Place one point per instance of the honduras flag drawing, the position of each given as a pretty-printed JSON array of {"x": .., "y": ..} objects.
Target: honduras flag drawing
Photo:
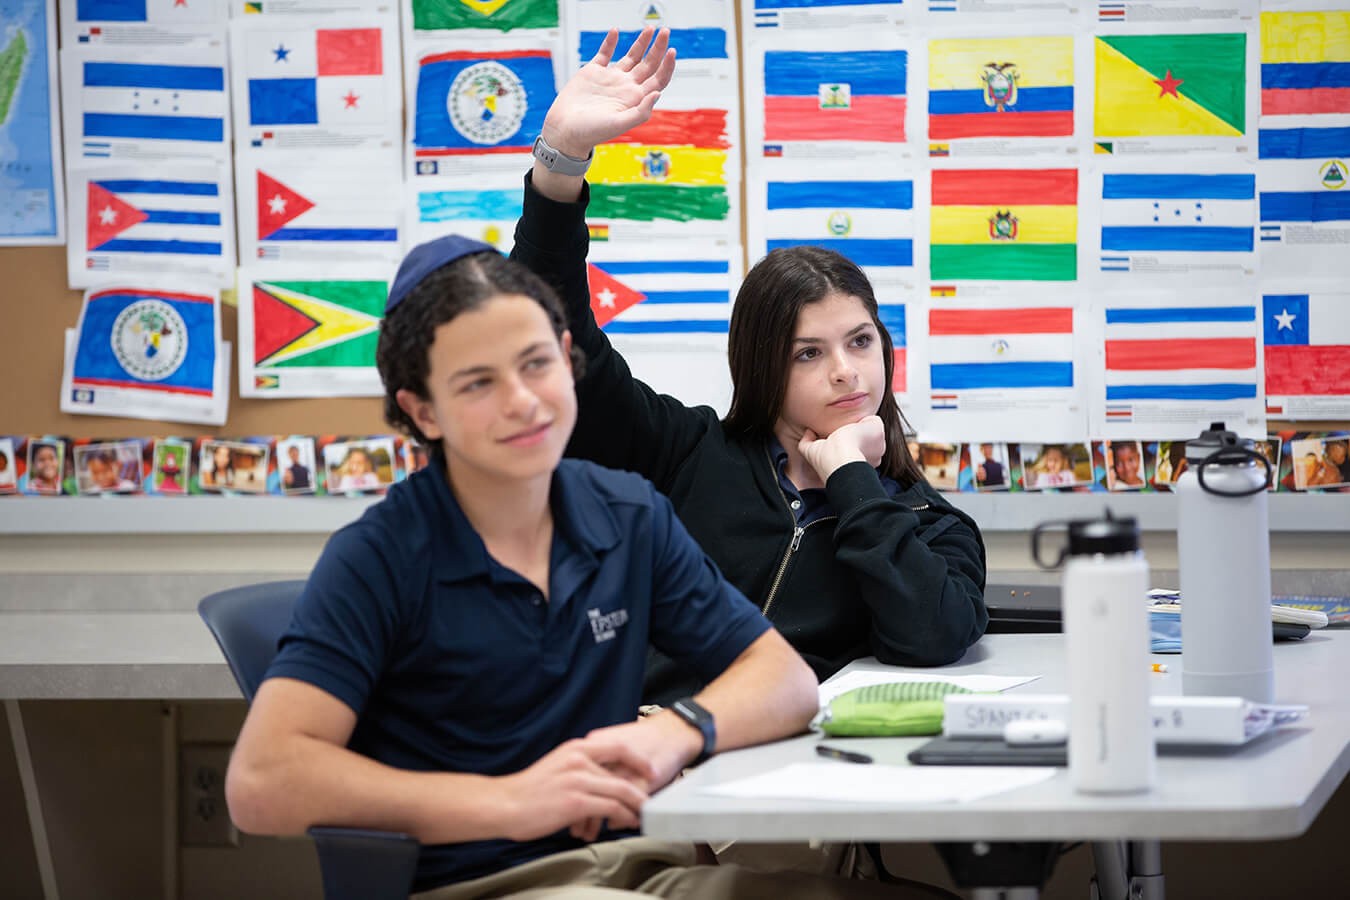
[
  {"x": 474, "y": 103},
  {"x": 147, "y": 339}
]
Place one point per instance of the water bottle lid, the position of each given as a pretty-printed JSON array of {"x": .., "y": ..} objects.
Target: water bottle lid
[
  {"x": 1109, "y": 535},
  {"x": 1213, "y": 440}
]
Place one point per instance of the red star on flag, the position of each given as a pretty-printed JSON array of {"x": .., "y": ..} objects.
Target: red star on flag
[
  {"x": 277, "y": 205},
  {"x": 609, "y": 296},
  {"x": 108, "y": 216},
  {"x": 350, "y": 100},
  {"x": 178, "y": 3},
  {"x": 1168, "y": 85}
]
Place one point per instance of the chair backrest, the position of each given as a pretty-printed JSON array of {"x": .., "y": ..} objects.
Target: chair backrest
[{"x": 246, "y": 622}]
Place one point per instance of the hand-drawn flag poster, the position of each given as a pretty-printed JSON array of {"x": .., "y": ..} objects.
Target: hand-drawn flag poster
[
  {"x": 853, "y": 96},
  {"x": 812, "y": 15},
  {"x": 672, "y": 292},
  {"x": 340, "y": 208},
  {"x": 992, "y": 368},
  {"x": 497, "y": 15},
  {"x": 309, "y": 336},
  {"x": 143, "y": 103},
  {"x": 482, "y": 105},
  {"x": 1175, "y": 224},
  {"x": 146, "y": 220},
  {"x": 298, "y": 86},
  {"x": 31, "y": 207},
  {"x": 487, "y": 209},
  {"x": 1000, "y": 88},
  {"x": 1307, "y": 354},
  {"x": 1305, "y": 64},
  {"x": 1305, "y": 201},
  {"x": 157, "y": 22},
  {"x": 1173, "y": 364},
  {"x": 893, "y": 317},
  {"x": 1188, "y": 89},
  {"x": 1005, "y": 225},
  {"x": 148, "y": 353}
]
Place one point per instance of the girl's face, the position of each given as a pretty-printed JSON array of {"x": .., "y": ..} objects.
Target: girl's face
[
  {"x": 836, "y": 375},
  {"x": 359, "y": 463},
  {"x": 221, "y": 456},
  {"x": 1054, "y": 461}
]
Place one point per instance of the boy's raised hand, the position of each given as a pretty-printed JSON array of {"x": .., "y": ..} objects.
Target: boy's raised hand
[{"x": 602, "y": 101}]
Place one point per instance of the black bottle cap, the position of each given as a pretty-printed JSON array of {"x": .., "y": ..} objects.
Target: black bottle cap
[
  {"x": 1109, "y": 535},
  {"x": 1213, "y": 440}
]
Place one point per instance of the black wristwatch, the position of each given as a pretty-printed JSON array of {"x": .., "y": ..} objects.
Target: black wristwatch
[{"x": 701, "y": 719}]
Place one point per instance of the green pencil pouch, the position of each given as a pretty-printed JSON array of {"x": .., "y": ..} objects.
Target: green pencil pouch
[{"x": 884, "y": 710}]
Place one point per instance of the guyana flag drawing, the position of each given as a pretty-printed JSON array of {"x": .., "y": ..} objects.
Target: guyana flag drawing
[
  {"x": 1162, "y": 85},
  {"x": 1005, "y": 225},
  {"x": 500, "y": 15},
  {"x": 309, "y": 338}
]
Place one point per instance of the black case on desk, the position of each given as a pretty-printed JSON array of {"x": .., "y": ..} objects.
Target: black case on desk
[{"x": 968, "y": 751}]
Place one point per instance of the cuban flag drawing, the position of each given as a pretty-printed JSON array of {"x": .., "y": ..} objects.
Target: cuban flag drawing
[
  {"x": 149, "y": 353},
  {"x": 344, "y": 210},
  {"x": 1307, "y": 354},
  {"x": 126, "y": 219},
  {"x": 470, "y": 103},
  {"x": 649, "y": 291},
  {"x": 145, "y": 103},
  {"x": 1160, "y": 223}
]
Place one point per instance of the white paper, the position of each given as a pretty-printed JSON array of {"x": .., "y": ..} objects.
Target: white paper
[
  {"x": 152, "y": 23},
  {"x": 983, "y": 683},
  {"x": 139, "y": 404},
  {"x": 1305, "y": 324},
  {"x": 852, "y": 783}
]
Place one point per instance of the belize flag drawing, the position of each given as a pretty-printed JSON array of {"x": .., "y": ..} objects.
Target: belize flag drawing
[
  {"x": 472, "y": 103},
  {"x": 126, "y": 220}
]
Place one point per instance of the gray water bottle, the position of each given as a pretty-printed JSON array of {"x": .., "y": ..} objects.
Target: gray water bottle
[{"x": 1223, "y": 550}]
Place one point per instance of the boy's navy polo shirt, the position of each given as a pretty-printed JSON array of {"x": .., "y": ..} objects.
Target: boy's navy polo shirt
[{"x": 454, "y": 663}]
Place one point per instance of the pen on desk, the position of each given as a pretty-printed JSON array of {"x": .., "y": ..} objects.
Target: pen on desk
[
  {"x": 842, "y": 755},
  {"x": 1160, "y": 667}
]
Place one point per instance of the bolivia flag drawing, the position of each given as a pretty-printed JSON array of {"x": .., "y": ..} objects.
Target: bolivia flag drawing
[
  {"x": 316, "y": 324},
  {"x": 150, "y": 340},
  {"x": 673, "y": 167},
  {"x": 1305, "y": 63},
  {"x": 1171, "y": 84},
  {"x": 870, "y": 222},
  {"x": 660, "y": 296},
  {"x": 1011, "y": 224},
  {"x": 1160, "y": 213},
  {"x": 1180, "y": 352},
  {"x": 322, "y": 76},
  {"x": 1000, "y": 348},
  {"x": 473, "y": 103},
  {"x": 502, "y": 15},
  {"x": 1001, "y": 87},
  {"x": 840, "y": 96},
  {"x": 1307, "y": 344}
]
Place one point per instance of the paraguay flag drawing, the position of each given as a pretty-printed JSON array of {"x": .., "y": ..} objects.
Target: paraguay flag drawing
[
  {"x": 673, "y": 167},
  {"x": 150, "y": 340},
  {"x": 311, "y": 212},
  {"x": 999, "y": 349},
  {"x": 1010, "y": 224},
  {"x": 1307, "y": 344},
  {"x": 1305, "y": 63},
  {"x": 473, "y": 103},
  {"x": 1171, "y": 84},
  {"x": 835, "y": 96},
  {"x": 661, "y": 295},
  {"x": 314, "y": 76},
  {"x": 501, "y": 15},
  {"x": 1000, "y": 87},
  {"x": 1172, "y": 216},
  {"x": 1180, "y": 352},
  {"x": 870, "y": 222}
]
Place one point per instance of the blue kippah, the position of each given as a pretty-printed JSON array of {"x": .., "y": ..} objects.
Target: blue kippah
[{"x": 426, "y": 258}]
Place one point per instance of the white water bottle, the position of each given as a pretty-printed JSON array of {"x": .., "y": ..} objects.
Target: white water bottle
[
  {"x": 1106, "y": 635},
  {"x": 1223, "y": 551}
]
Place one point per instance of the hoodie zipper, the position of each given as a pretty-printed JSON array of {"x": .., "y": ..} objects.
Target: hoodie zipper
[{"x": 797, "y": 532}]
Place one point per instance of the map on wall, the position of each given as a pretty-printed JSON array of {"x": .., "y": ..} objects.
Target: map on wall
[{"x": 30, "y": 160}]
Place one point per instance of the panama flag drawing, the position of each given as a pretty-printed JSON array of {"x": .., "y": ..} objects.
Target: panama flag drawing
[
  {"x": 1155, "y": 85},
  {"x": 501, "y": 15},
  {"x": 665, "y": 294},
  {"x": 314, "y": 76},
  {"x": 1307, "y": 346},
  {"x": 471, "y": 103},
  {"x": 835, "y": 96},
  {"x": 334, "y": 212}
]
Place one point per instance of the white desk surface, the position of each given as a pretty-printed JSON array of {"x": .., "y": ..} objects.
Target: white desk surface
[{"x": 1271, "y": 788}]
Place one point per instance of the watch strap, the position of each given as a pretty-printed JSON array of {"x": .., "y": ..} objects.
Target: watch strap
[
  {"x": 698, "y": 717},
  {"x": 556, "y": 161}
]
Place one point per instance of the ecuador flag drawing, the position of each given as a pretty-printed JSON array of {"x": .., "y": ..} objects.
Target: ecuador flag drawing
[
  {"x": 1305, "y": 63},
  {"x": 1011, "y": 224},
  {"x": 1171, "y": 84},
  {"x": 673, "y": 168},
  {"x": 1003, "y": 87},
  {"x": 502, "y": 15}
]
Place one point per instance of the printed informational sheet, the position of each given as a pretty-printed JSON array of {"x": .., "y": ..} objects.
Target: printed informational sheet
[
  {"x": 149, "y": 353},
  {"x": 141, "y": 103},
  {"x": 1148, "y": 12},
  {"x": 147, "y": 22},
  {"x": 304, "y": 86},
  {"x": 129, "y": 219},
  {"x": 813, "y": 15},
  {"x": 1306, "y": 333},
  {"x": 310, "y": 330},
  {"x": 310, "y": 7},
  {"x": 988, "y": 367},
  {"x": 32, "y": 209},
  {"x": 336, "y": 207},
  {"x": 485, "y": 207},
  {"x": 1170, "y": 363}
]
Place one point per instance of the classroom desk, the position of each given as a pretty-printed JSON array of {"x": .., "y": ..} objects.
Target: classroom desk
[{"x": 1274, "y": 787}]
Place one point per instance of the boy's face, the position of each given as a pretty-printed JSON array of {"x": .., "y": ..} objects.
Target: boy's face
[
  {"x": 102, "y": 473},
  {"x": 44, "y": 463},
  {"x": 501, "y": 396}
]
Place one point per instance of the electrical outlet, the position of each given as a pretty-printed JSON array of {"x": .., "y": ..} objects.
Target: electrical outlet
[{"x": 203, "y": 819}]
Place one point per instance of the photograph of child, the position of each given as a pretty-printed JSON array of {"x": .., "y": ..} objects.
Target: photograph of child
[
  {"x": 414, "y": 456},
  {"x": 940, "y": 463},
  {"x": 107, "y": 468},
  {"x": 1171, "y": 463},
  {"x": 9, "y": 474},
  {"x": 170, "y": 471},
  {"x": 295, "y": 459},
  {"x": 46, "y": 465},
  {"x": 1317, "y": 463},
  {"x": 355, "y": 466},
  {"x": 232, "y": 466},
  {"x": 1270, "y": 449},
  {"x": 1055, "y": 465},
  {"x": 990, "y": 462},
  {"x": 1124, "y": 466}
]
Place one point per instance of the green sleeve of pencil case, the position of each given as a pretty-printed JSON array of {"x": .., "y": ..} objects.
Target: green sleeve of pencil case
[{"x": 887, "y": 710}]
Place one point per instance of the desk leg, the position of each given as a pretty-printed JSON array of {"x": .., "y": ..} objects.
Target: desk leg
[
  {"x": 36, "y": 823},
  {"x": 1146, "y": 877},
  {"x": 1130, "y": 870}
]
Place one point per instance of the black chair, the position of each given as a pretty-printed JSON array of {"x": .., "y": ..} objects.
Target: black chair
[{"x": 353, "y": 862}]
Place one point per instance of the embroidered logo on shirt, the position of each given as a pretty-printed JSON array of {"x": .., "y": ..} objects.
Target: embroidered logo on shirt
[{"x": 604, "y": 626}]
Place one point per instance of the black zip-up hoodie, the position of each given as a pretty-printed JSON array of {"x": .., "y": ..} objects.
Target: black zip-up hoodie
[{"x": 899, "y": 577}]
